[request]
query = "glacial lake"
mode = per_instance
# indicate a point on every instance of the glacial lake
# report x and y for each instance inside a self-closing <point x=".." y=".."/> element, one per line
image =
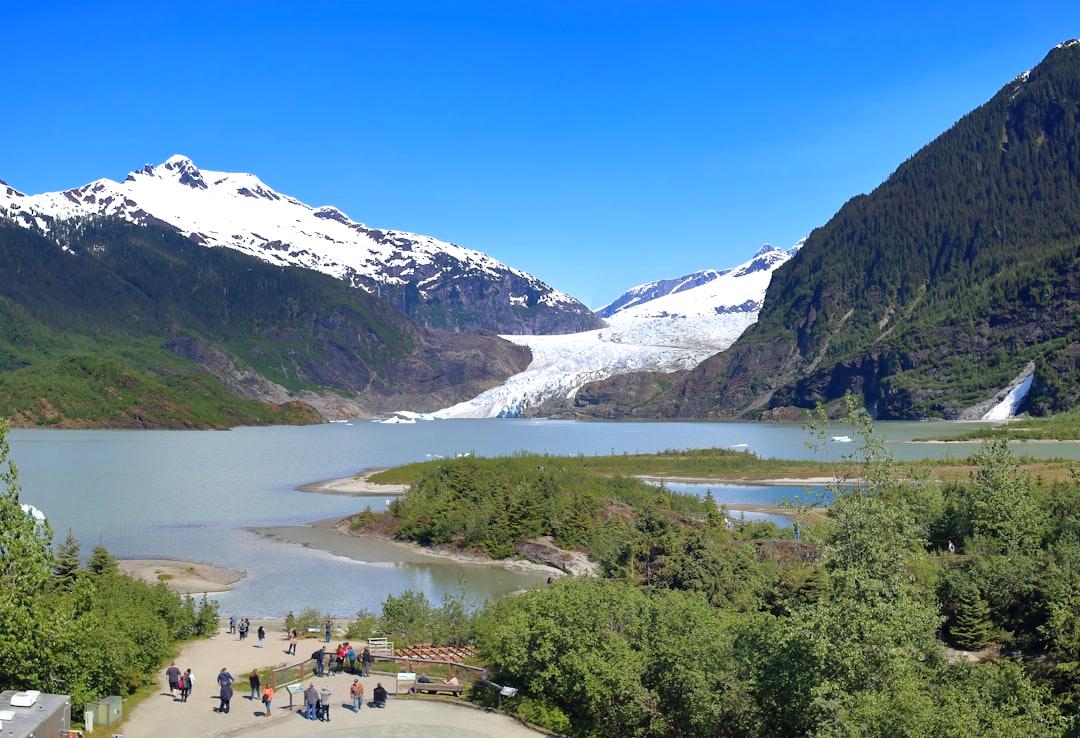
<point x="193" y="494"/>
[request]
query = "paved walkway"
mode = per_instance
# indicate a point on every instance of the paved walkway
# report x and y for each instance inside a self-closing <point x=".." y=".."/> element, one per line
<point x="160" y="715"/>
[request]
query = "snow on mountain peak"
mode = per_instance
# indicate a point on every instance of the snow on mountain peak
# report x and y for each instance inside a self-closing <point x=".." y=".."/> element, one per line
<point x="239" y="211"/>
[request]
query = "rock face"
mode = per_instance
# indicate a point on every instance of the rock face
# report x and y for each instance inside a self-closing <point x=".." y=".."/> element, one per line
<point x="439" y="284"/>
<point x="544" y="551"/>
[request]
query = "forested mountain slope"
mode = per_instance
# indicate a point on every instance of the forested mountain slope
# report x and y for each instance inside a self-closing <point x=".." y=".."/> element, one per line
<point x="928" y="295"/>
<point x="107" y="323"/>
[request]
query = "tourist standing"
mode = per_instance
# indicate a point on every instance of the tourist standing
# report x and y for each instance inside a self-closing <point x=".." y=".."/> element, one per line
<point x="294" y="637"/>
<point x="379" y="695"/>
<point x="365" y="662"/>
<point x="262" y="636"/>
<point x="311" y="699"/>
<point x="253" y="682"/>
<point x="173" y="675"/>
<point x="327" y="628"/>
<point x="356" y="691"/>
<point x="267" y="699"/>
<point x="319" y="657"/>
<point x="324" y="703"/>
<point x="351" y="656"/>
<point x="232" y="625"/>
<point x="225" y="679"/>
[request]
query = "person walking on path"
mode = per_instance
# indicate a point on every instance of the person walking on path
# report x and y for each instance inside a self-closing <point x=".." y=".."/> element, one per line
<point x="324" y="703"/>
<point x="365" y="662"/>
<point x="294" y="637"/>
<point x="262" y="636"/>
<point x="311" y="699"/>
<point x="253" y="681"/>
<point x="232" y="625"/>
<point x="173" y="675"/>
<point x="267" y="699"/>
<point x="187" y="682"/>
<point x="320" y="657"/>
<point x="356" y="691"/>
<point x="327" y="628"/>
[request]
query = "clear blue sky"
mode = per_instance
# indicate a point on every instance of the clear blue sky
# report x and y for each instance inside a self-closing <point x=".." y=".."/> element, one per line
<point x="595" y="144"/>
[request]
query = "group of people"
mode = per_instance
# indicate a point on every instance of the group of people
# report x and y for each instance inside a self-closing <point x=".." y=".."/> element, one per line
<point x="258" y="692"/>
<point x="242" y="626"/>
<point x="180" y="682"/>
<point x="344" y="657"/>
<point x="317" y="703"/>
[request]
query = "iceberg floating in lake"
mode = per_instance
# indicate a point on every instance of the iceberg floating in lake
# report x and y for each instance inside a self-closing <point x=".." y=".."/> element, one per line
<point x="841" y="439"/>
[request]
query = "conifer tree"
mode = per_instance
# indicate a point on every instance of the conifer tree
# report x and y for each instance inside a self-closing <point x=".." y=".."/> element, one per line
<point x="101" y="561"/>
<point x="67" y="563"/>
<point x="970" y="627"/>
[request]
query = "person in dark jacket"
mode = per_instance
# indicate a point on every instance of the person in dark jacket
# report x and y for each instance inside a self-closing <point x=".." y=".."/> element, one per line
<point x="320" y="658"/>
<point x="188" y="681"/>
<point x="311" y="699"/>
<point x="379" y="695"/>
<point x="226" y="696"/>
<point x="255" y="684"/>
<point x="225" y="680"/>
<point x="261" y="632"/>
<point x="365" y="662"/>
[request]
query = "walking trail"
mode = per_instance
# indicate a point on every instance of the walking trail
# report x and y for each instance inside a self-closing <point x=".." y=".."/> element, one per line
<point x="159" y="715"/>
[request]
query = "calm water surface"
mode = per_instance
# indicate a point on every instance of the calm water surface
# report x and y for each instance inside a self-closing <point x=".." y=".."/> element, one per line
<point x="192" y="494"/>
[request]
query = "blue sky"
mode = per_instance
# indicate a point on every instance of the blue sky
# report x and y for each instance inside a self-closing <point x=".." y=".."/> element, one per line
<point x="595" y="144"/>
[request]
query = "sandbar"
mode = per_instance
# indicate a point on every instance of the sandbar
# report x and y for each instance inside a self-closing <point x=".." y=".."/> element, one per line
<point x="357" y="485"/>
<point x="185" y="577"/>
<point x="333" y="536"/>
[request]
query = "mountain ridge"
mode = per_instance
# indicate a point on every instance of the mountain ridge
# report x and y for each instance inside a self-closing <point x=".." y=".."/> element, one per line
<point x="112" y="324"/>
<point x="439" y="284"/>
<point x="926" y="296"/>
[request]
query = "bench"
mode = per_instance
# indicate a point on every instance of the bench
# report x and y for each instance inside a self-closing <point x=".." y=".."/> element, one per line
<point x="437" y="688"/>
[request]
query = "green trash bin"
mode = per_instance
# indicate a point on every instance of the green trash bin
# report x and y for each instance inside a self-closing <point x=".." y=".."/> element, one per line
<point x="114" y="707"/>
<point x="101" y="713"/>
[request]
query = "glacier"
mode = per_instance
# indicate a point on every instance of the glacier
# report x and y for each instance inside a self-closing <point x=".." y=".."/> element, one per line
<point x="663" y="326"/>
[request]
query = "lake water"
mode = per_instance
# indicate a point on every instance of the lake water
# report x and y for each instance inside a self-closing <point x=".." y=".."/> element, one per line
<point x="193" y="494"/>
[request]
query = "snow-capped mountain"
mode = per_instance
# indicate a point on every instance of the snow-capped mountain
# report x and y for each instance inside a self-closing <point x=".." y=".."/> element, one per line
<point x="652" y="290"/>
<point x="439" y="283"/>
<point x="663" y="326"/>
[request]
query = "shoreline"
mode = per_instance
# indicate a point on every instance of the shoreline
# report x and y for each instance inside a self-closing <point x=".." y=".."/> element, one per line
<point x="744" y="481"/>
<point x="183" y="577"/>
<point x="358" y="485"/>
<point x="333" y="536"/>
